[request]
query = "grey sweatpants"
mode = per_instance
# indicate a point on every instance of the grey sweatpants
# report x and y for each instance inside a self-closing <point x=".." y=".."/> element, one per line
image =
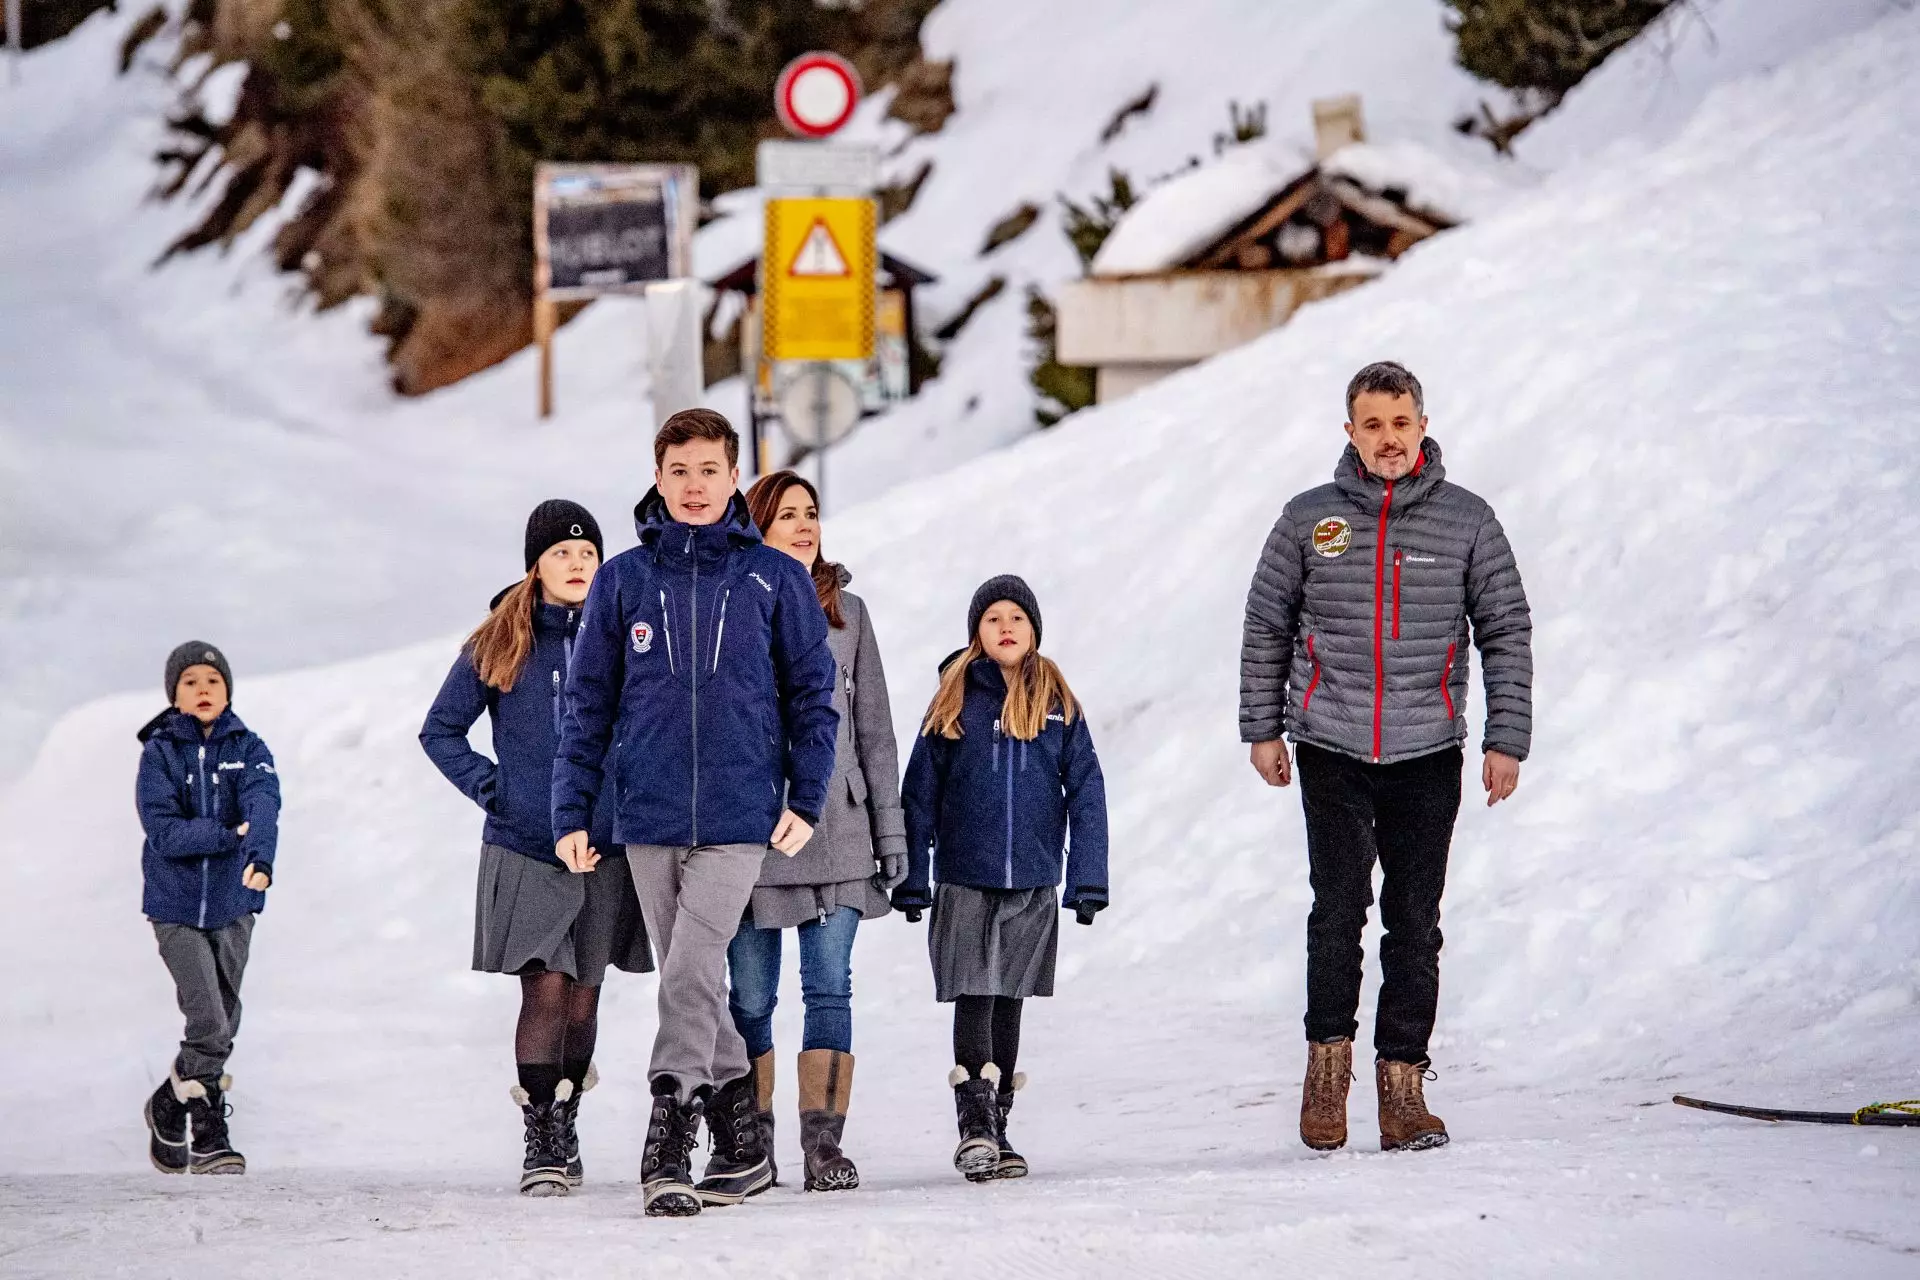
<point x="692" y="900"/>
<point x="207" y="965"/>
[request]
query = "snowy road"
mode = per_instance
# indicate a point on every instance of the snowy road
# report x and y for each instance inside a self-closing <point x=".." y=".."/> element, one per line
<point x="1134" y="1176"/>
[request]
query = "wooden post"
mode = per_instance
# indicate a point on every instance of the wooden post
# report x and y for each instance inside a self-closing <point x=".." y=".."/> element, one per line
<point x="546" y="317"/>
<point x="544" y="310"/>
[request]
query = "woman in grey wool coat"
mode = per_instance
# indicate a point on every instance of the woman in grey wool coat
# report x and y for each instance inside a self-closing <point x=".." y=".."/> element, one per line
<point x="857" y="855"/>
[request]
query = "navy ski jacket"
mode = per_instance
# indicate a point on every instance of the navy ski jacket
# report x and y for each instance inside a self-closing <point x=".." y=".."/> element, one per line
<point x="516" y="792"/>
<point x="702" y="683"/>
<point x="995" y="812"/>
<point x="193" y="791"/>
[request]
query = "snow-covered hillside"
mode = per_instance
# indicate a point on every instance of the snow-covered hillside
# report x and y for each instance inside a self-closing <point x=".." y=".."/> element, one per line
<point x="1678" y="371"/>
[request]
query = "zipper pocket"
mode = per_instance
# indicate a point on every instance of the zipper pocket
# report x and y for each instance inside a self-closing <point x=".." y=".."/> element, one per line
<point x="720" y="631"/>
<point x="1397" y="557"/>
<point x="666" y="630"/>
<point x="1446" y="675"/>
<point x="1314" y="683"/>
<point x="556" y="702"/>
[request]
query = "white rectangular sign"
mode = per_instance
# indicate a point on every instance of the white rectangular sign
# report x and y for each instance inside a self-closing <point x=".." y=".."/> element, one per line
<point x="836" y="167"/>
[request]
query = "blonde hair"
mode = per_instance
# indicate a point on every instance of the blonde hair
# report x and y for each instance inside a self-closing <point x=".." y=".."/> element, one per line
<point x="499" y="647"/>
<point x="1033" y="691"/>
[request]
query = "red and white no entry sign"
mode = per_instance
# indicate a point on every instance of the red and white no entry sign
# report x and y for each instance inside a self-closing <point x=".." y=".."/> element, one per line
<point x="816" y="94"/>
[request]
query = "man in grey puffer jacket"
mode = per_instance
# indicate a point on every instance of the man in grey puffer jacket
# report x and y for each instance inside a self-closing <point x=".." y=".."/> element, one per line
<point x="1358" y="621"/>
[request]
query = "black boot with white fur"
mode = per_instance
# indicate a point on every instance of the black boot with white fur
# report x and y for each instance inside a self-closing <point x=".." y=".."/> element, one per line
<point x="570" y="1118"/>
<point x="208" y="1109"/>
<point x="166" y="1114"/>
<point x="1012" y="1163"/>
<point x="976" y="1102"/>
<point x="544" y="1170"/>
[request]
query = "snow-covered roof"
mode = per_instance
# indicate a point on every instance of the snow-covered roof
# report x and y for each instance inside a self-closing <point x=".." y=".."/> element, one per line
<point x="1449" y="188"/>
<point x="1185" y="214"/>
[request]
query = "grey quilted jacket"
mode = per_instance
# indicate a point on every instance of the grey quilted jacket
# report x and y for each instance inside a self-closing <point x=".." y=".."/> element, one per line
<point x="1358" y="619"/>
<point x="861" y="819"/>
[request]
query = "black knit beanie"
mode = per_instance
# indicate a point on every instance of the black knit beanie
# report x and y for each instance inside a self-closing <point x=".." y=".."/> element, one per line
<point x="192" y="654"/>
<point x="557" y="520"/>
<point x="1005" y="587"/>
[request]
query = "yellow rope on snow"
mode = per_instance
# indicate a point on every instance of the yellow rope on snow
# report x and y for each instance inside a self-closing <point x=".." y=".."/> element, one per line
<point x="1910" y="1107"/>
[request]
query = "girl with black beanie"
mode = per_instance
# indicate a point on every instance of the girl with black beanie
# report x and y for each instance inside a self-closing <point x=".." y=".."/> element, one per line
<point x="557" y="931"/>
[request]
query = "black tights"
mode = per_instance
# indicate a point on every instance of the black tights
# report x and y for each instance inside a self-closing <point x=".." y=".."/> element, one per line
<point x="987" y="1029"/>
<point x="559" y="1019"/>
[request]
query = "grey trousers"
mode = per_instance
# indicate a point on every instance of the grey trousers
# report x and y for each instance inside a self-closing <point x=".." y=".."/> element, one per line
<point x="207" y="965"/>
<point x="693" y="900"/>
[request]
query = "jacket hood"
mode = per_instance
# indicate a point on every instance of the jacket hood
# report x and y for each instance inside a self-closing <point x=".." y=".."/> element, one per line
<point x="651" y="519"/>
<point x="178" y="725"/>
<point x="1362" y="486"/>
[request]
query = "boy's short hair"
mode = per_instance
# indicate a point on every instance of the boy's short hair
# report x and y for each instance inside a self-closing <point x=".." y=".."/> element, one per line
<point x="1388" y="377"/>
<point x="696" y="424"/>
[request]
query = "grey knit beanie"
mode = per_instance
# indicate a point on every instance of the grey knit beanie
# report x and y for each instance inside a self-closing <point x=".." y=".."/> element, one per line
<point x="1005" y="587"/>
<point x="192" y="654"/>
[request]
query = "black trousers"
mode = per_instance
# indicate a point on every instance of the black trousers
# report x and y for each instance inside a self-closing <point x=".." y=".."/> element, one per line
<point x="1401" y="814"/>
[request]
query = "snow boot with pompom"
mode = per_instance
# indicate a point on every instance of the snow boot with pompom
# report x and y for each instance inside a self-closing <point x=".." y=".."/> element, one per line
<point x="569" y="1126"/>
<point x="826" y="1083"/>
<point x="544" y="1170"/>
<point x="976" y="1101"/>
<point x="1405" y="1122"/>
<point x="208" y="1109"/>
<point x="166" y="1113"/>
<point x="1012" y="1163"/>
<point x="666" y="1174"/>
<point x="1323" y="1099"/>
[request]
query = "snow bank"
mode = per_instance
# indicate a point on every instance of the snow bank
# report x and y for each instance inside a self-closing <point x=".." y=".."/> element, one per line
<point x="1703" y="882"/>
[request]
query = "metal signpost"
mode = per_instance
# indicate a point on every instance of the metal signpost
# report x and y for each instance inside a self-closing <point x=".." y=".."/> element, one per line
<point x="16" y="40"/>
<point x="819" y="266"/>
<point x="606" y="228"/>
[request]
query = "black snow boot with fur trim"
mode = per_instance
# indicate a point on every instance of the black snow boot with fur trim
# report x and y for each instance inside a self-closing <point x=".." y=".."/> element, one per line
<point x="976" y="1103"/>
<point x="207" y="1110"/>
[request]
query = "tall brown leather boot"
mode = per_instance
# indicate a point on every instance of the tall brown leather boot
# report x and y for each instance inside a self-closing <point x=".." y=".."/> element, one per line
<point x="1405" y="1122"/>
<point x="826" y="1083"/>
<point x="760" y="1071"/>
<point x="1323" y="1099"/>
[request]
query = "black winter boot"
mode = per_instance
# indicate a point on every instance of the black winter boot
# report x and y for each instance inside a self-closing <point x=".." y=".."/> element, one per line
<point x="569" y="1123"/>
<point x="166" y="1113"/>
<point x="976" y="1101"/>
<point x="1012" y="1163"/>
<point x="544" y="1170"/>
<point x="208" y="1109"/>
<point x="738" y="1167"/>
<point x="666" y="1174"/>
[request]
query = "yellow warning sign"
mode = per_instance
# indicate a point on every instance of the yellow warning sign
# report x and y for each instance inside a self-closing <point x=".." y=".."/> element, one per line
<point x="817" y="278"/>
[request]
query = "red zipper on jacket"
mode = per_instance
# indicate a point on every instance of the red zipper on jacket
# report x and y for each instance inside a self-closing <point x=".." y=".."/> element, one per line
<point x="1379" y="622"/>
<point x="1446" y="674"/>
<point x="1397" y="555"/>
<point x="1313" y="683"/>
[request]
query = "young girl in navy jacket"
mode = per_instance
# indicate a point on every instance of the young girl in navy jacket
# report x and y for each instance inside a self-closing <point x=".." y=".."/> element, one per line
<point x="1002" y="789"/>
<point x="556" y="931"/>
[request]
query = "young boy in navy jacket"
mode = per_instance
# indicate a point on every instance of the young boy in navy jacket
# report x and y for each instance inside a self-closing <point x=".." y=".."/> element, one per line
<point x="1004" y="798"/>
<point x="209" y="802"/>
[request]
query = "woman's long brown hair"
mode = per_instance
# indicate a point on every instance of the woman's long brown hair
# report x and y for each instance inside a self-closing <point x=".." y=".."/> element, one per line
<point x="499" y="647"/>
<point x="763" y="504"/>
<point x="1033" y="691"/>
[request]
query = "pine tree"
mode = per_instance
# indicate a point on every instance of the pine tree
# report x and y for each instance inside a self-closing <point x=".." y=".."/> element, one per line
<point x="1546" y="46"/>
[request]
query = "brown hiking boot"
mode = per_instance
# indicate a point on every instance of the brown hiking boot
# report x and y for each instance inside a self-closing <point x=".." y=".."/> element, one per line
<point x="1405" y="1122"/>
<point x="1323" y="1099"/>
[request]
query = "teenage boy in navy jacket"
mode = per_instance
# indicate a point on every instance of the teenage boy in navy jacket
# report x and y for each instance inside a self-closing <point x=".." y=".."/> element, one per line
<point x="209" y="802"/>
<point x="702" y="682"/>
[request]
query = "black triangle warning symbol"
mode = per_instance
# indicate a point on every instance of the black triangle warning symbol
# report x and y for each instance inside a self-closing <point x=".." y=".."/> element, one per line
<point x="819" y="254"/>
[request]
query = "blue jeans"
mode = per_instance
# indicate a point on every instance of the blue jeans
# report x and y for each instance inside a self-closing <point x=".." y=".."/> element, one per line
<point x="826" y="982"/>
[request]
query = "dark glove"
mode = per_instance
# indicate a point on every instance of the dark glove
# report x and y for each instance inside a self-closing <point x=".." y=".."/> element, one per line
<point x="1083" y="912"/>
<point x="913" y="915"/>
<point x="893" y="871"/>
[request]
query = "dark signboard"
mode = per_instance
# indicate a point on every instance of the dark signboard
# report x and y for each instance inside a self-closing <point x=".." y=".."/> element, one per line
<point x="613" y="228"/>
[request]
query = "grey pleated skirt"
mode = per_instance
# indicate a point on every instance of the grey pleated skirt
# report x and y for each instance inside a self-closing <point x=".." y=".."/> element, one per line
<point x="531" y="915"/>
<point x="993" y="942"/>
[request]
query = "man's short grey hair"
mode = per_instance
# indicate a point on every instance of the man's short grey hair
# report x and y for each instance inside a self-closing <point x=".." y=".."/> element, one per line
<point x="1386" y="377"/>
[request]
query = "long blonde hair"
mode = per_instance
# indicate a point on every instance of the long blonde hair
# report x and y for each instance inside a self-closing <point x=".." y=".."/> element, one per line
<point x="1033" y="691"/>
<point x="499" y="647"/>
